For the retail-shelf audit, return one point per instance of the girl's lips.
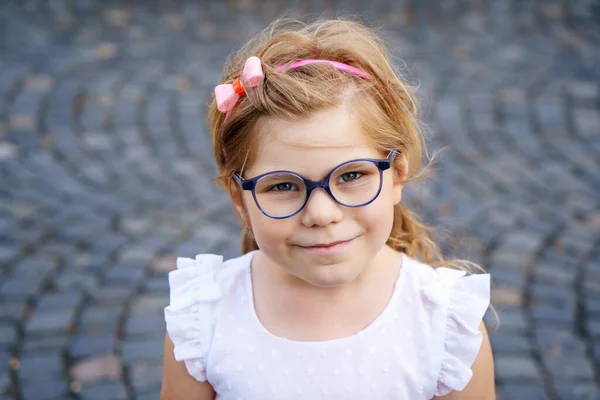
(328, 244)
(328, 248)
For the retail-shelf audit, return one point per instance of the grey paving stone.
(80, 230)
(508, 277)
(44, 322)
(553, 275)
(96, 369)
(575, 390)
(547, 294)
(142, 349)
(569, 367)
(59, 300)
(45, 343)
(71, 280)
(590, 286)
(510, 344)
(34, 267)
(7, 253)
(16, 288)
(8, 335)
(57, 249)
(145, 325)
(124, 275)
(29, 235)
(135, 256)
(148, 394)
(45, 390)
(593, 328)
(12, 311)
(145, 377)
(547, 314)
(34, 366)
(21, 210)
(157, 284)
(108, 242)
(512, 319)
(4, 370)
(523, 242)
(516, 367)
(523, 390)
(110, 390)
(136, 225)
(149, 304)
(86, 345)
(100, 319)
(559, 341)
(111, 295)
(89, 262)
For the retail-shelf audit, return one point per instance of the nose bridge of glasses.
(322, 184)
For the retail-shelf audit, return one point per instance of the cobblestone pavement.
(106, 174)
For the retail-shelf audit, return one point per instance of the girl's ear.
(400, 173)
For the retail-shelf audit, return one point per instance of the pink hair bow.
(228, 94)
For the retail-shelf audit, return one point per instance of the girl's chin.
(329, 276)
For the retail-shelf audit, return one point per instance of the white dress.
(422, 345)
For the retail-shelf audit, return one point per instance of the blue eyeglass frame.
(250, 184)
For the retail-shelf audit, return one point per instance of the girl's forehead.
(313, 145)
(336, 127)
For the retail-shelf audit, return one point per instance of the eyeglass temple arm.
(238, 179)
(246, 184)
(387, 163)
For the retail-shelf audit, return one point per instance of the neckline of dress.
(336, 341)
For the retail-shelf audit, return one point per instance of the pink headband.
(227, 95)
(338, 65)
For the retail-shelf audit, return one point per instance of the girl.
(340, 293)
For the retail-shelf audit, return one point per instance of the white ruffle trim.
(190, 315)
(467, 298)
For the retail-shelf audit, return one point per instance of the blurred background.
(107, 175)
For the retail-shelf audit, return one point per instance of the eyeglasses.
(283, 194)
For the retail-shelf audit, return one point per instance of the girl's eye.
(283, 187)
(349, 176)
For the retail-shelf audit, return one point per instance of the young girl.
(340, 293)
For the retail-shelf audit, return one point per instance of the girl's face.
(312, 148)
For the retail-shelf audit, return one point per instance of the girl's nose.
(321, 210)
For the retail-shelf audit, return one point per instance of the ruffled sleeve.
(191, 314)
(466, 299)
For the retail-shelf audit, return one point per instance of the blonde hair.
(387, 105)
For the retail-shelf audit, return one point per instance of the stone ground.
(107, 172)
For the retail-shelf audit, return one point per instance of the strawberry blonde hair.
(386, 107)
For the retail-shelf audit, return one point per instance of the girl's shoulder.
(451, 307)
(196, 288)
(203, 279)
(446, 286)
(210, 271)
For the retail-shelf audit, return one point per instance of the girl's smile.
(328, 248)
